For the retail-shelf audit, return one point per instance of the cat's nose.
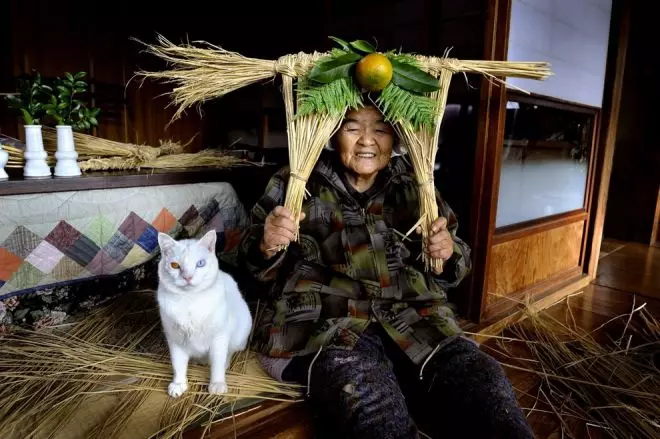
(187, 278)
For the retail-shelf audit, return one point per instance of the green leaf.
(400, 106)
(344, 45)
(412, 78)
(81, 84)
(363, 46)
(62, 105)
(80, 75)
(334, 68)
(69, 76)
(330, 98)
(27, 117)
(95, 112)
(63, 90)
(93, 121)
(47, 88)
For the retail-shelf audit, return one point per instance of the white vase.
(35, 155)
(4, 158)
(66, 155)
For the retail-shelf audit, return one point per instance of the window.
(545, 159)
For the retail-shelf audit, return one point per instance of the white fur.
(204, 316)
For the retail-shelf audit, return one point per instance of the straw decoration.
(594, 384)
(199, 74)
(89, 378)
(206, 158)
(307, 136)
(423, 147)
(88, 145)
(98, 154)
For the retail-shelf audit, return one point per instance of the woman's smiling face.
(365, 143)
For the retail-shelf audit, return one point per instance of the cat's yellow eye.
(175, 265)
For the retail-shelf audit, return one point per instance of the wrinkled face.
(365, 142)
(189, 263)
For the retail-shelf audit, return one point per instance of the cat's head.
(188, 263)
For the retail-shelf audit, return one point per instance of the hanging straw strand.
(307, 136)
(423, 148)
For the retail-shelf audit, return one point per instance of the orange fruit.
(374, 72)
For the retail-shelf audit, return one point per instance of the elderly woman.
(353, 315)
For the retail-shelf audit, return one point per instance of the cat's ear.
(166, 244)
(208, 240)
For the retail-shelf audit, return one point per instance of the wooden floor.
(627, 273)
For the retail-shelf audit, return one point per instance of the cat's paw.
(177, 389)
(218, 388)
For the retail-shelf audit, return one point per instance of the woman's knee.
(357, 393)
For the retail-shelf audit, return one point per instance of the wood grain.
(521, 263)
(616, 61)
(488, 156)
(519, 230)
(280, 420)
(655, 234)
(589, 310)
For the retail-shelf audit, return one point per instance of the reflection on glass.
(545, 162)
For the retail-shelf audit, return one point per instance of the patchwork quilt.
(66, 250)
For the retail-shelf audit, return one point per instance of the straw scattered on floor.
(594, 384)
(115, 358)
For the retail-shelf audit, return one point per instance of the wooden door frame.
(655, 231)
(487, 157)
(492, 113)
(609, 117)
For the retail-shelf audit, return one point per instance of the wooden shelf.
(17, 184)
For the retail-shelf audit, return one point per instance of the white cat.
(203, 313)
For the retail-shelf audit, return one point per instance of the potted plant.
(29, 102)
(70, 113)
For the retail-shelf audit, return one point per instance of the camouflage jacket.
(351, 267)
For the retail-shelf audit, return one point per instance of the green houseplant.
(65, 104)
(29, 102)
(66, 107)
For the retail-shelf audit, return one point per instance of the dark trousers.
(375, 391)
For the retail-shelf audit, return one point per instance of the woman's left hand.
(439, 244)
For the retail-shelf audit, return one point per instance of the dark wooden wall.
(54, 37)
(633, 192)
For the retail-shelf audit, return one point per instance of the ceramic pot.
(35, 155)
(66, 155)
(4, 158)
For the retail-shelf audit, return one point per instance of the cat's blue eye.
(201, 263)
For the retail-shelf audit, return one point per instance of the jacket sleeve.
(250, 255)
(459, 264)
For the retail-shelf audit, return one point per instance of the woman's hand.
(279, 230)
(439, 244)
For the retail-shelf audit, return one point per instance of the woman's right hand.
(279, 230)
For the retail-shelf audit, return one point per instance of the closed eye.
(201, 263)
